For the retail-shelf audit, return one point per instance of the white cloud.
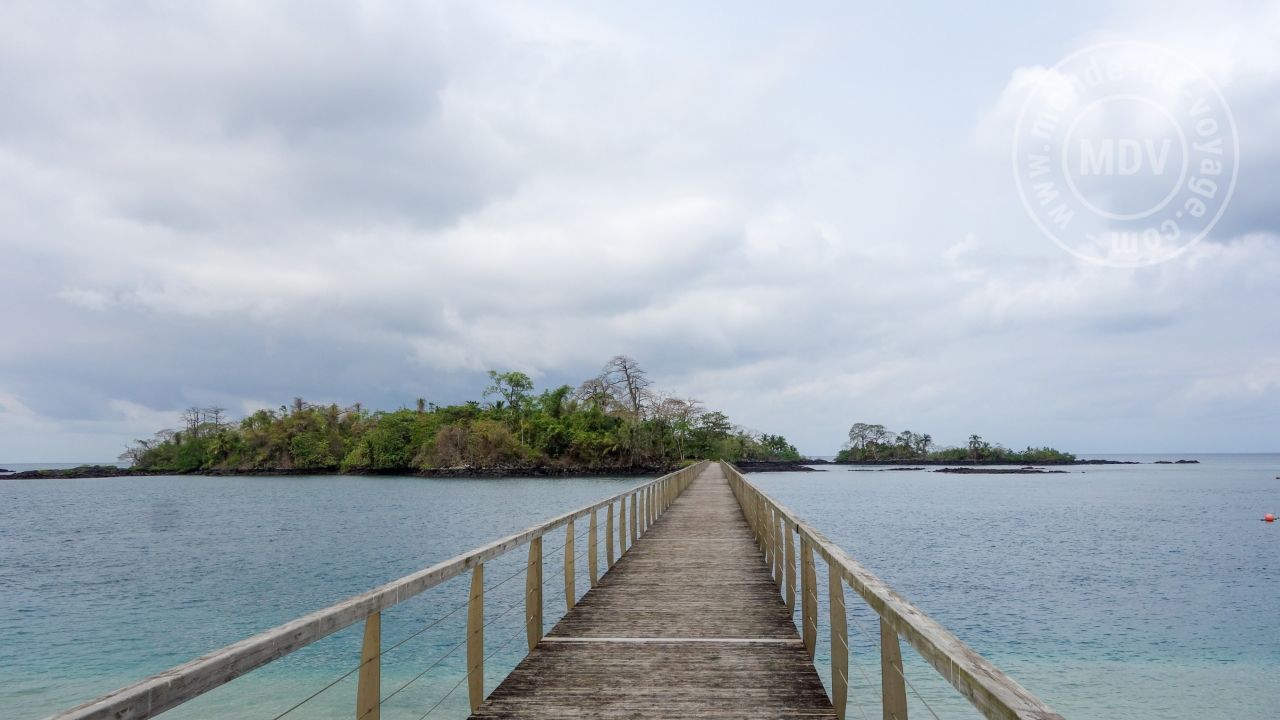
(239, 203)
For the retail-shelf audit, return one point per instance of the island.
(615, 423)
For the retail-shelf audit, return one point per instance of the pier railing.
(777, 529)
(637, 509)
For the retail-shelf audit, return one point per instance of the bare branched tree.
(215, 416)
(629, 381)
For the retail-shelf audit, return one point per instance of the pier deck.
(687, 624)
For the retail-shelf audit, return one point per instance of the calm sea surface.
(1148, 591)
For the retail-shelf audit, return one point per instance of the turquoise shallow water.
(103, 582)
(1147, 591)
(1125, 592)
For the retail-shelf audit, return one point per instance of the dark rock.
(1186, 462)
(750, 466)
(83, 471)
(999, 471)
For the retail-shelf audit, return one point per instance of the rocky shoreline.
(109, 471)
(1000, 471)
(949, 466)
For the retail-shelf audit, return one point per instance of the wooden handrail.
(986, 687)
(177, 685)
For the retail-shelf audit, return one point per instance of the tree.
(975, 446)
(922, 444)
(514, 388)
(595, 393)
(191, 418)
(215, 416)
(626, 377)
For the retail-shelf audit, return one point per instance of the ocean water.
(103, 582)
(1146, 591)
(1120, 592)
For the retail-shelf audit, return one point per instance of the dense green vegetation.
(612, 421)
(874, 443)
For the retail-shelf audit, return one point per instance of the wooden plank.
(533, 594)
(688, 624)
(893, 680)
(475, 639)
(168, 689)
(369, 685)
(839, 646)
(993, 693)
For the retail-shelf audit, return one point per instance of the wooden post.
(569, 595)
(369, 689)
(791, 571)
(475, 639)
(839, 645)
(776, 528)
(608, 537)
(622, 527)
(764, 529)
(808, 598)
(533, 594)
(643, 499)
(592, 555)
(635, 533)
(893, 681)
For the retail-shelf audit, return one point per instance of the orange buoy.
(1269, 517)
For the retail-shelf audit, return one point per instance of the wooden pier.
(687, 624)
(693, 616)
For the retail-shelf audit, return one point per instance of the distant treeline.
(874, 443)
(614, 420)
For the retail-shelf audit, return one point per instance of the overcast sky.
(804, 217)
